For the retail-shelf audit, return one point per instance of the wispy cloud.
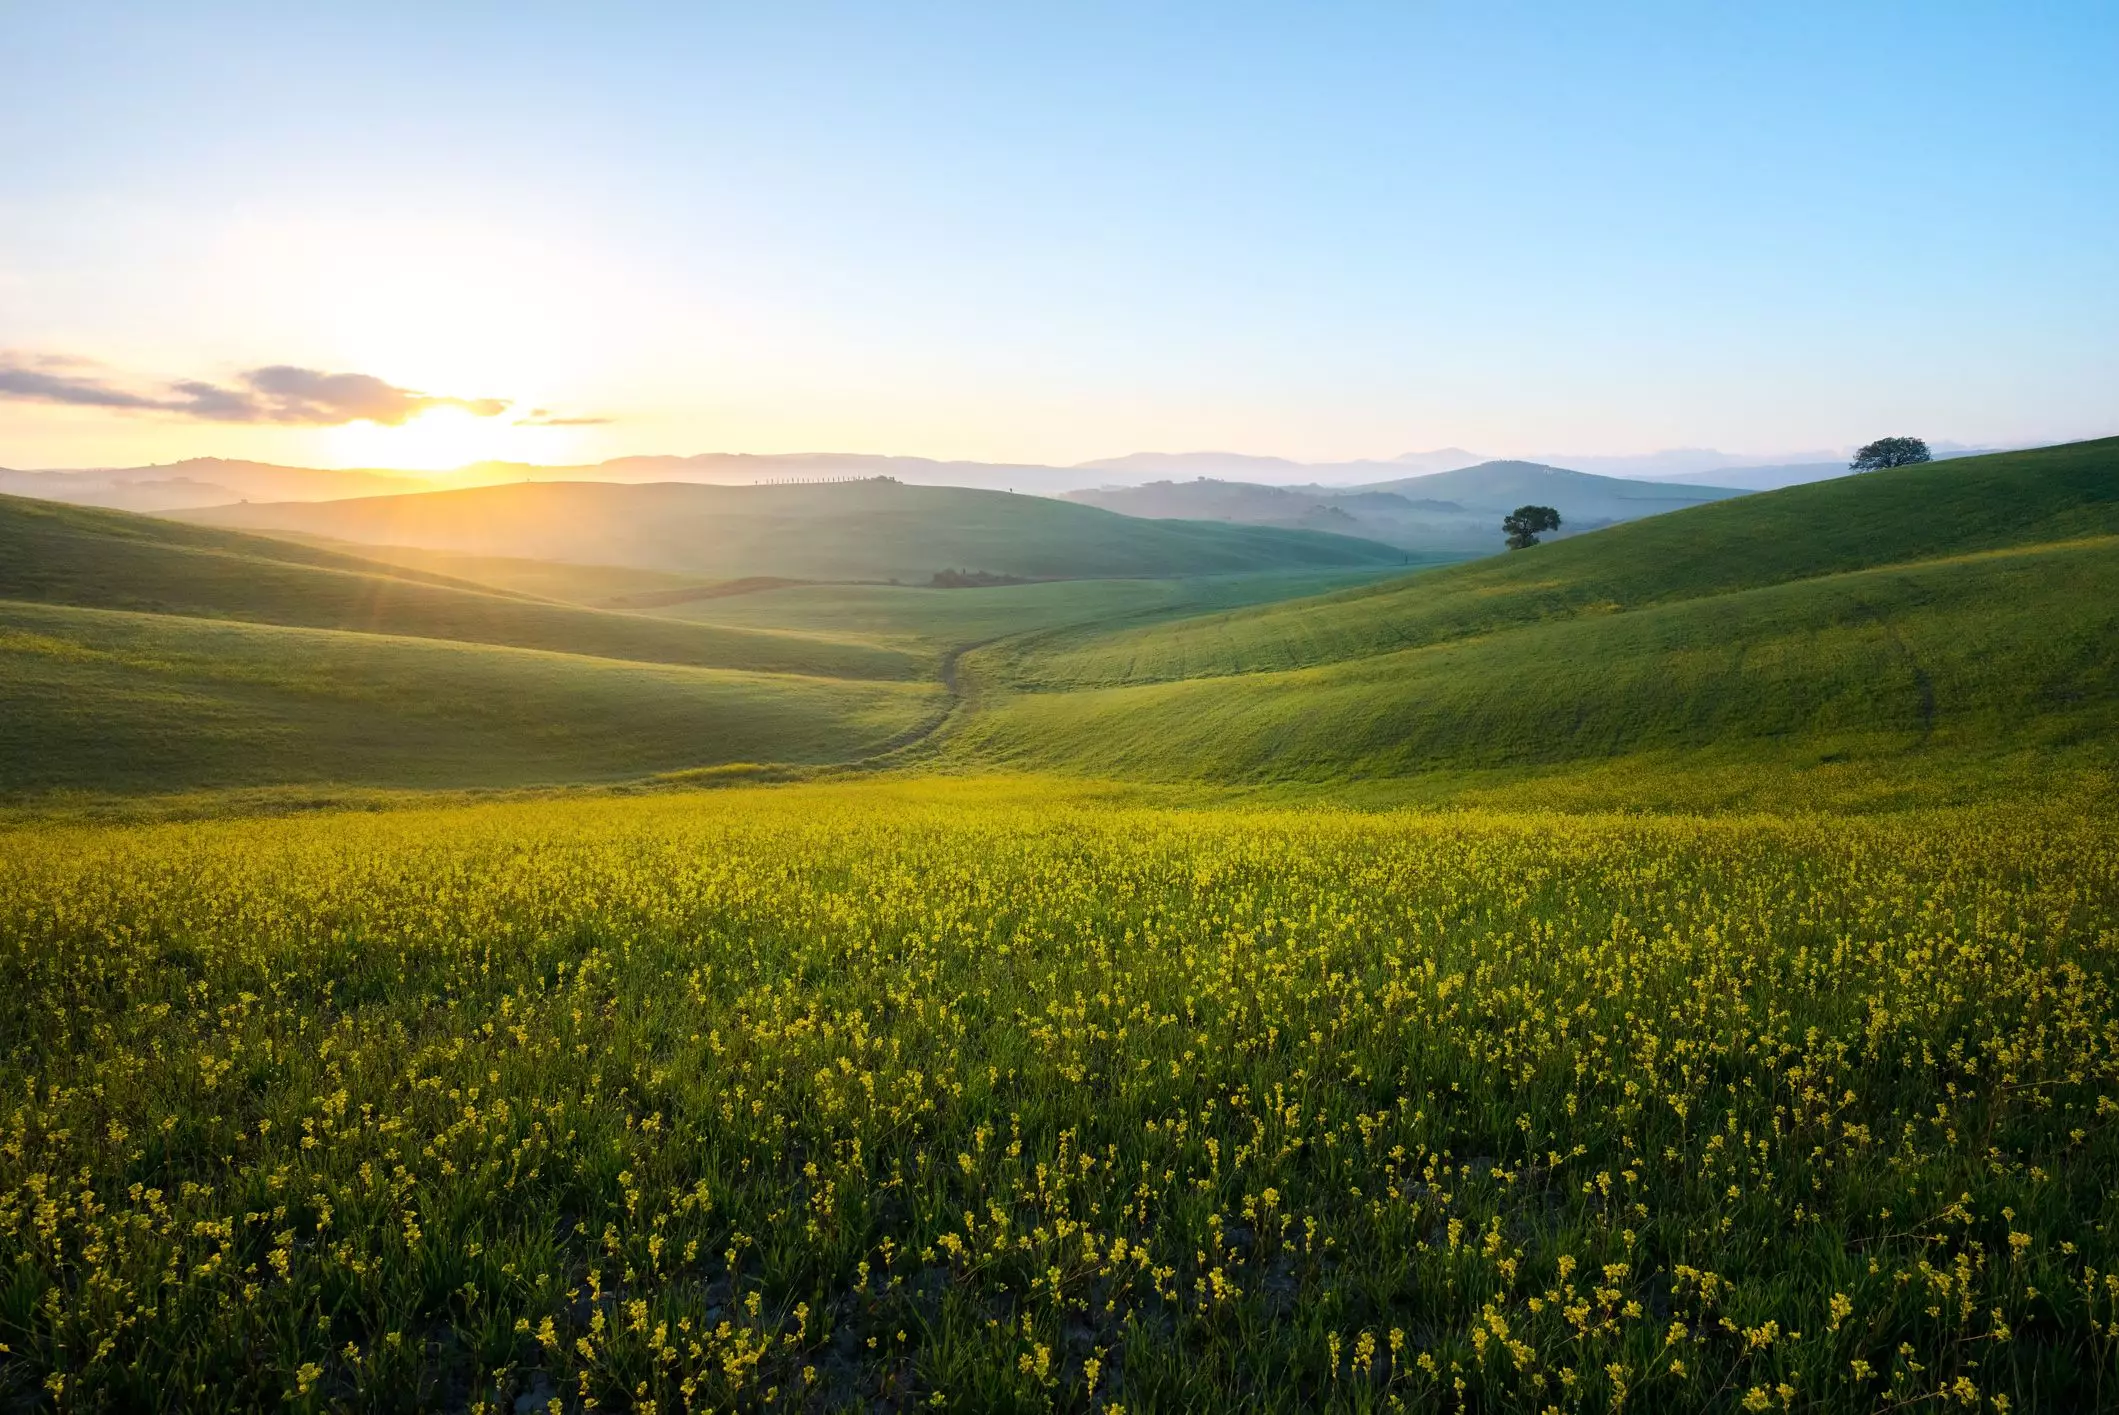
(279, 393)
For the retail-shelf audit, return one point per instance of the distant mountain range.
(1237, 466)
(204, 481)
(213, 481)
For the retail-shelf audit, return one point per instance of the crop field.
(1028, 1095)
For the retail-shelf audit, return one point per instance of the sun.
(439, 439)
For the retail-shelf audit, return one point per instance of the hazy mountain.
(1453, 511)
(865, 530)
(204, 481)
(1138, 467)
(213, 481)
(1578, 496)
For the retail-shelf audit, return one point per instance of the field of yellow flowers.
(1001, 1097)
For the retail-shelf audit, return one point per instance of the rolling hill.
(109, 701)
(1453, 512)
(139, 654)
(144, 654)
(866, 530)
(1962, 609)
(945, 620)
(91, 558)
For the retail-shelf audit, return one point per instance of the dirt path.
(951, 679)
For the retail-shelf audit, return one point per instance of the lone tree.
(1890, 452)
(1522, 525)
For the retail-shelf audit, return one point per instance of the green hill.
(599, 586)
(109, 701)
(865, 530)
(1966, 607)
(145, 655)
(57, 554)
(1915, 513)
(139, 654)
(940, 620)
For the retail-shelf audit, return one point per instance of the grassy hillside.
(870, 530)
(1914, 513)
(107, 701)
(146, 655)
(600, 586)
(58, 554)
(945, 619)
(1964, 609)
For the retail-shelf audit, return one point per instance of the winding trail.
(951, 678)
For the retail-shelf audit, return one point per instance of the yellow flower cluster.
(993, 1096)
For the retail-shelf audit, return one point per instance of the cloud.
(35, 386)
(306, 395)
(278, 393)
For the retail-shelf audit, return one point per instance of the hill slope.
(144, 655)
(108, 701)
(873, 529)
(1969, 606)
(58, 554)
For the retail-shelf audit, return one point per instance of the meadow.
(1670, 968)
(1032, 1095)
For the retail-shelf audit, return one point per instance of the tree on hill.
(1522, 525)
(1889, 452)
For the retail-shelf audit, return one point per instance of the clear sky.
(1051, 233)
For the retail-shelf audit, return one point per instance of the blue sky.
(1056, 233)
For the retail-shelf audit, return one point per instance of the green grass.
(107, 701)
(149, 656)
(595, 585)
(115, 560)
(1951, 627)
(1914, 513)
(2010, 649)
(1934, 634)
(873, 530)
(945, 619)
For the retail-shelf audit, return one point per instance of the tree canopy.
(1889, 452)
(1523, 524)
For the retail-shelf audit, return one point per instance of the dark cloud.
(211, 403)
(35, 386)
(307, 395)
(280, 393)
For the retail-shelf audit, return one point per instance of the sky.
(424, 234)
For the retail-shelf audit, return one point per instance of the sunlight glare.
(440, 439)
